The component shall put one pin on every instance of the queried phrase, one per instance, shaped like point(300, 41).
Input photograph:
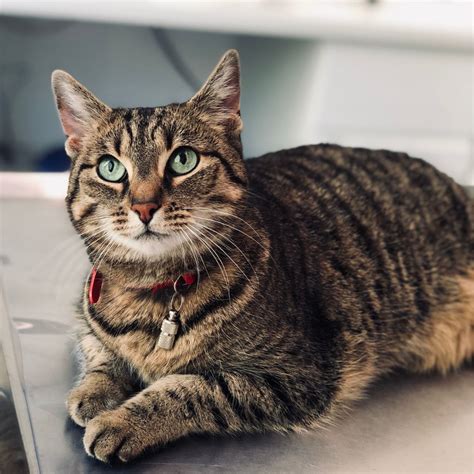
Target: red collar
point(96, 280)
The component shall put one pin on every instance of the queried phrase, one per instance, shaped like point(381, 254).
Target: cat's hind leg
point(447, 338)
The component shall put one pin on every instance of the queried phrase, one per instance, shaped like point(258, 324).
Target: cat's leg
point(178, 405)
point(446, 340)
point(103, 384)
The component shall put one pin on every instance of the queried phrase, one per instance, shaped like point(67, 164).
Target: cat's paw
point(115, 435)
point(94, 395)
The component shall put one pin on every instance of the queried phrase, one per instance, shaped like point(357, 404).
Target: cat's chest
point(129, 325)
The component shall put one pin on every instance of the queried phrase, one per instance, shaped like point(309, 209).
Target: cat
point(294, 279)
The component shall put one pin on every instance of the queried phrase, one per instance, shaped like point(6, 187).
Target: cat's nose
point(145, 210)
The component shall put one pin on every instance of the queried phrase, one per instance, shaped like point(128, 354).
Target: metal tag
point(169, 329)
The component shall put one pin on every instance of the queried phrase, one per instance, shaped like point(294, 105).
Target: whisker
point(185, 241)
point(231, 227)
point(216, 258)
point(198, 253)
point(233, 216)
point(219, 247)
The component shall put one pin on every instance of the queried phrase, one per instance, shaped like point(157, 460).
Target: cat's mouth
point(148, 233)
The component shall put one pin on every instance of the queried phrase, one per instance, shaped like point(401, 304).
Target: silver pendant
point(170, 325)
point(169, 329)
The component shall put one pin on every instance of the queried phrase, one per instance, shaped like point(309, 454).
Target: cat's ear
point(219, 97)
point(79, 110)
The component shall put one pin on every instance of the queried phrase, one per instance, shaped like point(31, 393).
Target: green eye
point(110, 169)
point(183, 161)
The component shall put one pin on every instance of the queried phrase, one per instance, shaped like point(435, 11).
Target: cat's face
point(145, 181)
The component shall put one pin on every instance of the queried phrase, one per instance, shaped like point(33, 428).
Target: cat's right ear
point(79, 110)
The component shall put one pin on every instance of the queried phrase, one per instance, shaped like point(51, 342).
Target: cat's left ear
point(79, 110)
point(219, 97)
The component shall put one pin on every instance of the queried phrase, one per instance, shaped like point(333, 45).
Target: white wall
point(419, 101)
point(279, 82)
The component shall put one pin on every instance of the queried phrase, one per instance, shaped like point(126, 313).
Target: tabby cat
point(295, 279)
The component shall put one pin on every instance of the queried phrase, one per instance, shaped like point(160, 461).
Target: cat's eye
point(182, 161)
point(110, 169)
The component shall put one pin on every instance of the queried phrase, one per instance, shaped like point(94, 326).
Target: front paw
point(116, 435)
point(95, 394)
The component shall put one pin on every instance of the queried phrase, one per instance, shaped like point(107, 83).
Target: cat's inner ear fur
point(219, 97)
point(79, 110)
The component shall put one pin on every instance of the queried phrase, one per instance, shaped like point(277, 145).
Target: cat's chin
point(151, 245)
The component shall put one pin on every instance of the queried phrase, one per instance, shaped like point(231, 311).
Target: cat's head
point(144, 179)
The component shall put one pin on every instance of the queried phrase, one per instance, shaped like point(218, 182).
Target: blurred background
point(391, 74)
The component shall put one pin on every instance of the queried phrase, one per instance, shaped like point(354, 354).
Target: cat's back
point(376, 240)
point(384, 199)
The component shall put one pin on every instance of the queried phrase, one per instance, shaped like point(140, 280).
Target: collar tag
point(95, 286)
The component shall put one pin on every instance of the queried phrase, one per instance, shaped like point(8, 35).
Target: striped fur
point(320, 268)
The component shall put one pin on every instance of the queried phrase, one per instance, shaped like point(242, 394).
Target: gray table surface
point(406, 424)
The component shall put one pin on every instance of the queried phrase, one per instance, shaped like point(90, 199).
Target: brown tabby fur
point(320, 268)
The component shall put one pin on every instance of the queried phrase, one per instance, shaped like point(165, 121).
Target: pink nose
point(145, 210)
